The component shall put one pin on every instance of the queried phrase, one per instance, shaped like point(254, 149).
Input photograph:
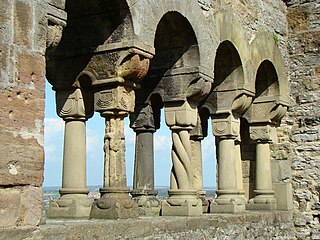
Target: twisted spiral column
point(181, 174)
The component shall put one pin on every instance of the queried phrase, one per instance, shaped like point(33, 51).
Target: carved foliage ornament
point(241, 103)
point(133, 68)
point(263, 133)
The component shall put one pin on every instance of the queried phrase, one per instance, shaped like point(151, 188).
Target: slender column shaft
point(263, 167)
point(74, 156)
point(226, 167)
point(182, 173)
point(114, 153)
point(143, 178)
point(197, 164)
point(238, 163)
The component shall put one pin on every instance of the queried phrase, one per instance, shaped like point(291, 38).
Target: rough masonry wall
point(304, 116)
point(23, 29)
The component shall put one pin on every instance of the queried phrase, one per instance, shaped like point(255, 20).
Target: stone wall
point(303, 120)
point(23, 36)
point(255, 225)
point(30, 28)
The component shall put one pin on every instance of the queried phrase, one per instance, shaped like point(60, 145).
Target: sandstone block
point(6, 30)
point(31, 205)
point(21, 161)
point(10, 207)
point(23, 18)
point(31, 70)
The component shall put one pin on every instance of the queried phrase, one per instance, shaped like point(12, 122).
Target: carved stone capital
point(70, 104)
point(119, 99)
point(234, 101)
point(262, 133)
point(225, 126)
point(269, 109)
point(198, 90)
point(142, 119)
point(180, 114)
point(241, 103)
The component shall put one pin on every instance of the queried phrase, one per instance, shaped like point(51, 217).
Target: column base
point(148, 205)
point(114, 204)
point(228, 201)
point(227, 208)
point(73, 206)
point(181, 203)
point(264, 200)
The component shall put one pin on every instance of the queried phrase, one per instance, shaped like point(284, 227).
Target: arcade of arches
point(247, 69)
point(102, 64)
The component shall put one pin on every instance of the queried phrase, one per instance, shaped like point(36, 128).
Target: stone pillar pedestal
point(264, 194)
point(143, 192)
point(230, 199)
point(114, 202)
point(182, 200)
point(74, 202)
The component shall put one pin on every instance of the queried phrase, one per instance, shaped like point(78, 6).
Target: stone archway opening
point(227, 103)
point(173, 83)
point(266, 80)
point(76, 58)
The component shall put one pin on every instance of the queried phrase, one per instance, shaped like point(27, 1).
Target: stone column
point(229, 198)
point(74, 202)
point(196, 137)
point(264, 194)
point(114, 105)
point(238, 163)
point(143, 192)
point(183, 200)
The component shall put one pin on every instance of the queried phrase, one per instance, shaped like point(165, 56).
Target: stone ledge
point(265, 225)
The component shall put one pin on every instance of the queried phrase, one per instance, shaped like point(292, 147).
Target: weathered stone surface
point(24, 36)
point(249, 226)
point(20, 206)
point(10, 206)
point(23, 18)
point(304, 125)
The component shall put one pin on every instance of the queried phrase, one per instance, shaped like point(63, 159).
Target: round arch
point(146, 14)
point(230, 30)
point(264, 51)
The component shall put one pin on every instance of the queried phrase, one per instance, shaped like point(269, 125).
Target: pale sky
point(53, 143)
